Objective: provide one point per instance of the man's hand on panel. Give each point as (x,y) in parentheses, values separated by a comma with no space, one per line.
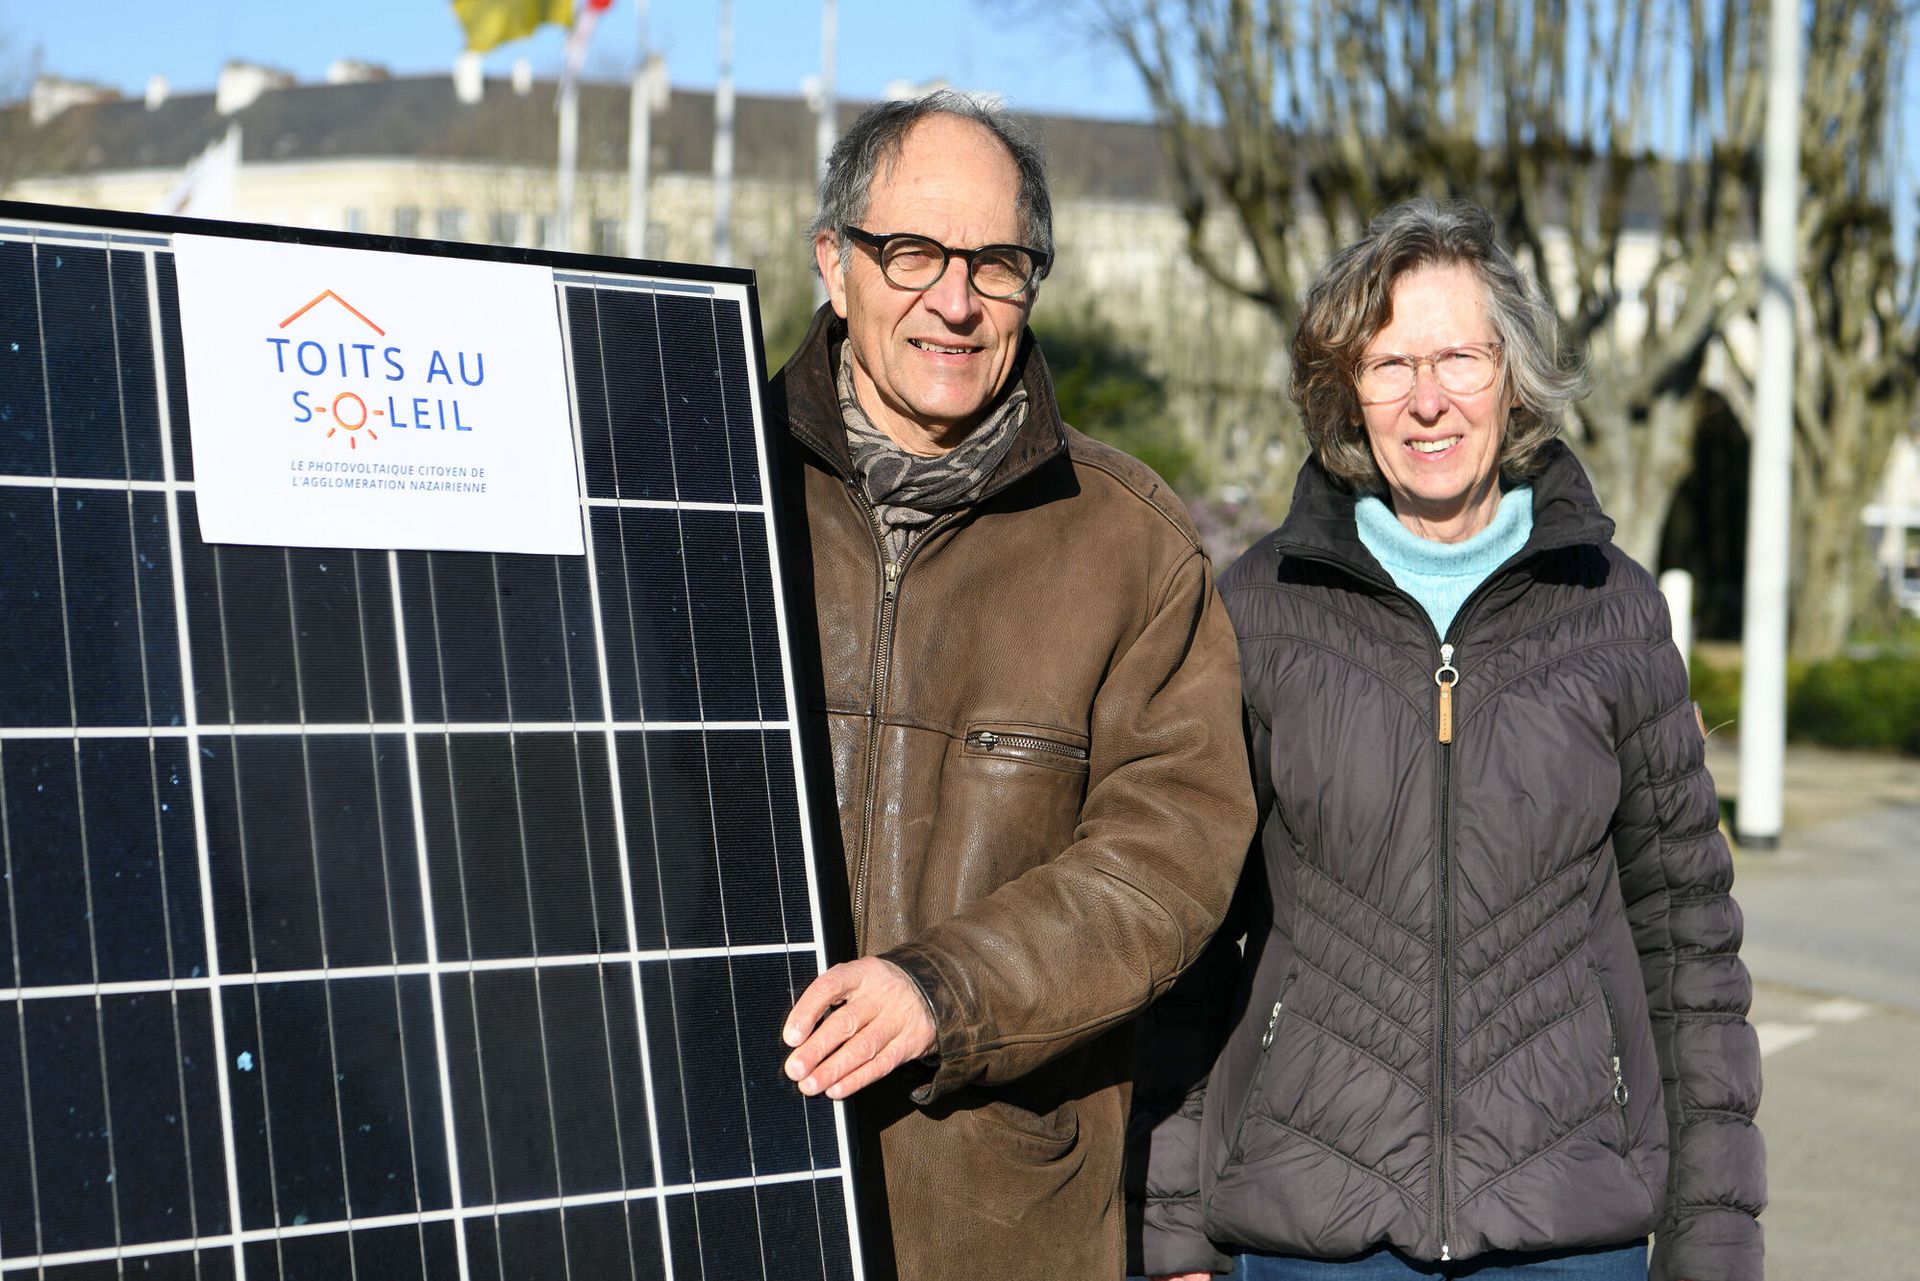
(853,1025)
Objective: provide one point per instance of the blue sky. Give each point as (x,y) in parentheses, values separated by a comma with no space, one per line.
(1009,47)
(996,46)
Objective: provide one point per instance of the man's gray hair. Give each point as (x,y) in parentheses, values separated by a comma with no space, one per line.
(1351,300)
(874,140)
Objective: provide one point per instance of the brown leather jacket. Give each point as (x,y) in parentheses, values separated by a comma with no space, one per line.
(1045,803)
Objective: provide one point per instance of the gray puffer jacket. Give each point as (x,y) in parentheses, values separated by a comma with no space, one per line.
(1491,996)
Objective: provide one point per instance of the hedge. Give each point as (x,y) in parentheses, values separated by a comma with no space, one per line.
(1840,702)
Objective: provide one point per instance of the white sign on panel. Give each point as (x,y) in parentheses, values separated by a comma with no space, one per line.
(341,398)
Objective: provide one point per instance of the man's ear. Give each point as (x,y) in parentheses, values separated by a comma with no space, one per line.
(826,255)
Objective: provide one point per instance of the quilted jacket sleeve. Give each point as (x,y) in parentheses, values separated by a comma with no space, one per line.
(1675,873)
(1084,941)
(1179,1037)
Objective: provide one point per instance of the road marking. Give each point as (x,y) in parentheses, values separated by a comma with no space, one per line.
(1775,1037)
(1840,1010)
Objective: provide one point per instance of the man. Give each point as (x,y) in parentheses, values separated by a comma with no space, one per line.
(1032,696)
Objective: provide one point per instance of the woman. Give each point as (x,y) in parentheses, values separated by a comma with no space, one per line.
(1490,1016)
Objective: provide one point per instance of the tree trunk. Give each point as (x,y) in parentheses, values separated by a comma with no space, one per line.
(1637,462)
(1841,456)
(1824,605)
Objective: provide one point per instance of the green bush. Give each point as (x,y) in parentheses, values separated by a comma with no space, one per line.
(1871,703)
(1858,702)
(1717,690)
(1106,389)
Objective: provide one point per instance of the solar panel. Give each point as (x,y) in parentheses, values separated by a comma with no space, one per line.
(398,914)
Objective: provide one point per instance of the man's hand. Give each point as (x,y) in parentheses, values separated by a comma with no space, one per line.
(1181,1276)
(853,1025)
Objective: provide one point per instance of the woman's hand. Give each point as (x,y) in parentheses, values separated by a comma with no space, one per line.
(1181,1276)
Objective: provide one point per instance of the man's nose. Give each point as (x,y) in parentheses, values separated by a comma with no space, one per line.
(952,298)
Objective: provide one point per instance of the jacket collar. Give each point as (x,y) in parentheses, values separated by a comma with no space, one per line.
(805,393)
(1320,523)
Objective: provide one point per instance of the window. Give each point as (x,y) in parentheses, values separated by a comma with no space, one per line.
(543,231)
(406,221)
(503,228)
(354,220)
(607,235)
(450,224)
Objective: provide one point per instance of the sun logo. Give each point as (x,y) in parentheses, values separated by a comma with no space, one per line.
(348,412)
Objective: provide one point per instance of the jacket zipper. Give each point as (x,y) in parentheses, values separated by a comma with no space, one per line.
(1259,1073)
(987,740)
(1446,676)
(1620,1094)
(892,571)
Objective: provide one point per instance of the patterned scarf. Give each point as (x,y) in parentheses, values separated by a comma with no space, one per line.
(908,490)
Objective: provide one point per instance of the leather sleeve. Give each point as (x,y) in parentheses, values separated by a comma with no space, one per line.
(1084,941)
(1675,874)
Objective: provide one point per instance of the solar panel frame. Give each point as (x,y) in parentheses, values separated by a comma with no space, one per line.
(257,735)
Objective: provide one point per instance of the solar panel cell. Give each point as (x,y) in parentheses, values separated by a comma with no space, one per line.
(142,894)
(73,297)
(424,1253)
(736,376)
(24,448)
(203,1266)
(696,410)
(621,392)
(166,298)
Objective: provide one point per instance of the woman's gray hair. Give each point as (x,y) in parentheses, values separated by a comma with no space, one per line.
(874,141)
(1351,300)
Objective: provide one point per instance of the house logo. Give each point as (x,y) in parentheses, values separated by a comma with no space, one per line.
(348,411)
(355,382)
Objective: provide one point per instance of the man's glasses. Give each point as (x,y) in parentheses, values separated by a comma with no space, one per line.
(918,263)
(1460,371)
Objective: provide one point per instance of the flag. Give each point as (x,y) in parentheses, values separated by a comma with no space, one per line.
(494,22)
(206,187)
(577,40)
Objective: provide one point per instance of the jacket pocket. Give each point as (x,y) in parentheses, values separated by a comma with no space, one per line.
(1619,1085)
(1259,1071)
(1032,744)
(1041,1122)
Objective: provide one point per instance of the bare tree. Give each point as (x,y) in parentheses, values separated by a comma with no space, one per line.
(27,147)
(1858,366)
(1613,139)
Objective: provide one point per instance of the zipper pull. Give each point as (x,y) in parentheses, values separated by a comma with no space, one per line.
(986,740)
(893,578)
(1446,676)
(1446,1255)
(1273,1021)
(1619,1083)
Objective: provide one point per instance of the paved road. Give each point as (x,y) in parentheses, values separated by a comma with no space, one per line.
(1841,1115)
(1837,909)
(1833,940)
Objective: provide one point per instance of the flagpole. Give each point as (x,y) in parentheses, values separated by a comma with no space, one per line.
(560,235)
(723,144)
(585,19)
(639,142)
(826,129)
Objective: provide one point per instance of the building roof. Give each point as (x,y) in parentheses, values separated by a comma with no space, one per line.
(421,118)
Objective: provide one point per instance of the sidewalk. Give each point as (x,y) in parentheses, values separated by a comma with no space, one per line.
(1822,784)
(1832,945)
(1833,910)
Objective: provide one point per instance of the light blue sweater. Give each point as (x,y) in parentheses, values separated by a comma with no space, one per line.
(1442,575)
